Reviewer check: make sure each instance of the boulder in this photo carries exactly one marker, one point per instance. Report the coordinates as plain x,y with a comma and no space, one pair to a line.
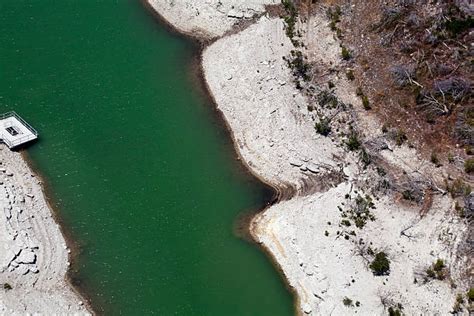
295,162
314,168
33,269
235,14
8,213
9,256
306,308
26,256
23,269
249,14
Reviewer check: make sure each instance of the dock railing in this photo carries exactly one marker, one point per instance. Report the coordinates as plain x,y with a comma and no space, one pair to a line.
20,140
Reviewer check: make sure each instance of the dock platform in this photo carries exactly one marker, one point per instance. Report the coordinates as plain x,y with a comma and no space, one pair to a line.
14,131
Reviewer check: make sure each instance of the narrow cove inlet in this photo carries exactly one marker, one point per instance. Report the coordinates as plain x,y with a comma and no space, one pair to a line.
135,160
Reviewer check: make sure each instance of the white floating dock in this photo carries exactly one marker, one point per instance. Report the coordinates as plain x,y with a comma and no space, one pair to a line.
14,131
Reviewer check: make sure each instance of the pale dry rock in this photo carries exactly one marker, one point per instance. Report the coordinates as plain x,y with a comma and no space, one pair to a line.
208,18
32,262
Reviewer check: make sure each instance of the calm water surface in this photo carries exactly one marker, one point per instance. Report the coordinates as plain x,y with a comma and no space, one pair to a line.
142,174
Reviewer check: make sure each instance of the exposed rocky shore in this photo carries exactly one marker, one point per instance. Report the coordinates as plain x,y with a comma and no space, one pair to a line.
34,257
208,19
340,213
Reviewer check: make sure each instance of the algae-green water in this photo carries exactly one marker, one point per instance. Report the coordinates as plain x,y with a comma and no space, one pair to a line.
137,164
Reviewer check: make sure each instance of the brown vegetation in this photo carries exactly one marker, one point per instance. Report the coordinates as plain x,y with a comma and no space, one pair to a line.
421,79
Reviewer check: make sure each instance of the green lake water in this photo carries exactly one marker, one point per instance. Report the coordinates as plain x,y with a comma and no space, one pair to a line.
138,166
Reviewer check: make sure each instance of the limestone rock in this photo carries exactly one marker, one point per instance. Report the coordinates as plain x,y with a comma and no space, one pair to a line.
312,167
235,14
27,257
295,162
23,269
306,308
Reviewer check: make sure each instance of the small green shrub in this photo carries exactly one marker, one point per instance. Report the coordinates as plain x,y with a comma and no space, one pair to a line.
346,222
323,127
353,142
469,165
458,304
290,19
361,213
288,6
298,64
327,98
347,302
437,270
380,265
350,75
408,195
459,209
434,159
450,158
392,311
469,150
365,102
334,14
359,222
439,265
458,26
470,294
400,137
381,171
345,53
365,158
458,188
430,273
